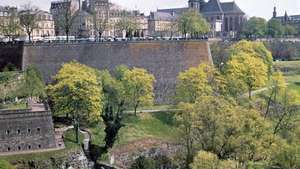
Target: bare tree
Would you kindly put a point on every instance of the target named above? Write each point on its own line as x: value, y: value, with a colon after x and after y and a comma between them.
x: 28, y: 19
x: 127, y: 24
x: 65, y: 20
x: 100, y: 23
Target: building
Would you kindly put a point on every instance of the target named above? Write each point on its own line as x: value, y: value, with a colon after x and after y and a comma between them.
x: 26, y: 130
x: 43, y: 25
x: 163, y: 23
x: 83, y: 25
x: 9, y: 18
x: 225, y: 18
x: 293, y: 20
x: 61, y: 11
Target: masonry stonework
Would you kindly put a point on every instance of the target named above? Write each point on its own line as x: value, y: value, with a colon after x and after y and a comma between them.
x: 164, y: 59
x: 24, y: 130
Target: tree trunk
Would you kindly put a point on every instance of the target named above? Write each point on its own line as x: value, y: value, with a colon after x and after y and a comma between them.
x: 250, y: 94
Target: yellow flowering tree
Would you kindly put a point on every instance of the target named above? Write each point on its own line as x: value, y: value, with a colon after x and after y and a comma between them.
x: 247, y: 72
x: 76, y: 92
x: 138, y: 87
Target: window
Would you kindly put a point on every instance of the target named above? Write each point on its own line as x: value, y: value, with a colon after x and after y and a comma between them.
x: 8, y: 148
x: 19, y: 148
x: 19, y: 131
x: 29, y: 147
x: 38, y: 129
x: 7, y: 132
x: 40, y: 146
x: 29, y: 131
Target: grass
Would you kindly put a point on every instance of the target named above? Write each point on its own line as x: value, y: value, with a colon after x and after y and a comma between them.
x: 160, y: 125
x: 13, y: 106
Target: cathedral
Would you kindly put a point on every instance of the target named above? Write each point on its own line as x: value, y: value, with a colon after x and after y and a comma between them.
x: 224, y: 17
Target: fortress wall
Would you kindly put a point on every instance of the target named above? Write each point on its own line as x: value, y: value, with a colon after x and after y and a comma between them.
x: 11, y: 54
x: 24, y: 130
x: 164, y: 59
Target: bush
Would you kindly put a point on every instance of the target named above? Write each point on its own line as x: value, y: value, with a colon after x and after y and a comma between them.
x: 5, y: 165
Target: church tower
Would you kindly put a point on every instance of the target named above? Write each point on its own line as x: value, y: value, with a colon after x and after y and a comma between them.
x: 274, y: 12
x: 194, y: 4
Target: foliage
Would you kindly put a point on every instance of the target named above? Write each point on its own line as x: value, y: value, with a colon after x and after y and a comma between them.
x: 255, y: 27
x: 100, y: 23
x: 143, y: 163
x: 191, y: 22
x: 289, y: 157
x: 28, y: 19
x: 34, y: 85
x: 11, y: 27
x: 5, y: 165
x: 193, y: 83
x: 289, y: 30
x: 65, y: 21
x: 127, y: 24
x: 77, y: 92
x: 275, y: 28
x: 254, y: 49
x: 138, y: 87
x: 248, y: 72
x: 205, y: 160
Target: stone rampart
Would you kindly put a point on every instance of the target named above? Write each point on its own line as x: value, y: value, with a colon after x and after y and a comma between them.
x: 164, y: 59
x: 25, y: 130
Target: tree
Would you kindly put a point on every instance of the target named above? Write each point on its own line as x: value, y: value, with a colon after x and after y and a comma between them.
x: 100, y: 23
x: 250, y: 72
x: 289, y: 30
x: 255, y: 27
x: 77, y: 92
x: 275, y: 28
x: 65, y: 21
x: 255, y: 49
x: 10, y: 27
x: 33, y: 83
x: 185, y: 119
x: 143, y: 163
x: 193, y: 83
x: 139, y: 87
x: 28, y: 19
x: 205, y: 160
x: 128, y: 25
x: 191, y: 22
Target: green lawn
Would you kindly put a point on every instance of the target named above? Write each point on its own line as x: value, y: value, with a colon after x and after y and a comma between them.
x: 13, y: 106
x: 160, y: 125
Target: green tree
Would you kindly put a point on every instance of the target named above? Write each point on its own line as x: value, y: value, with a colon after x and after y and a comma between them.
x: 255, y: 27
x: 5, y: 165
x: 250, y: 72
x: 77, y: 92
x: 138, y: 88
x: 33, y: 83
x: 275, y: 28
x: 289, y: 157
x: 143, y: 163
x: 205, y: 160
x: 193, y: 83
x: 289, y: 30
x: 28, y: 19
x: 255, y: 49
x: 128, y: 25
x: 10, y: 27
x: 192, y: 23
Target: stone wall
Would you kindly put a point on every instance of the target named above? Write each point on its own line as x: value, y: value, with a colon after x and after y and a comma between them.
x: 24, y: 130
x: 11, y: 54
x: 164, y: 59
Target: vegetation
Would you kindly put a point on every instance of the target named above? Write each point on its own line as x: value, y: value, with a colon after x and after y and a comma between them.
x: 255, y: 28
x: 128, y: 25
x: 10, y: 27
x: 191, y: 23
x: 5, y: 165
x: 77, y: 93
x: 28, y: 20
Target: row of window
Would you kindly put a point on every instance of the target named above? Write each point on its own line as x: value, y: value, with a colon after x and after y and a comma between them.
x: 8, y: 132
x: 28, y: 147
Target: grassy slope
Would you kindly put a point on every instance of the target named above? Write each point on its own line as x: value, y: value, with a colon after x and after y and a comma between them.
x: 147, y: 125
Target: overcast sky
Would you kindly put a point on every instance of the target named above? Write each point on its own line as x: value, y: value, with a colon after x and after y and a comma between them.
x: 262, y: 8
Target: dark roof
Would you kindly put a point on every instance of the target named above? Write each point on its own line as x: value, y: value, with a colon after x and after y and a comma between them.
x: 178, y: 11
x: 212, y: 6
x: 231, y: 7
x: 165, y: 16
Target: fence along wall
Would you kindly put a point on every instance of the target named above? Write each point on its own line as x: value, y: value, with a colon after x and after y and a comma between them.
x: 164, y: 59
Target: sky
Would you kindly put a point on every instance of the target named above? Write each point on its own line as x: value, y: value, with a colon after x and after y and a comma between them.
x: 260, y: 8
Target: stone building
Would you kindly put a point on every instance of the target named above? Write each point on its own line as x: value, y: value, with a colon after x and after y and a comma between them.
x: 83, y: 25
x: 44, y: 23
x: 61, y: 9
x: 8, y: 14
x: 162, y: 23
x: 225, y: 18
x: 293, y: 20
x: 26, y: 130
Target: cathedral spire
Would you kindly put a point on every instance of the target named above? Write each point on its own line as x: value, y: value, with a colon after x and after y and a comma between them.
x: 274, y: 12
